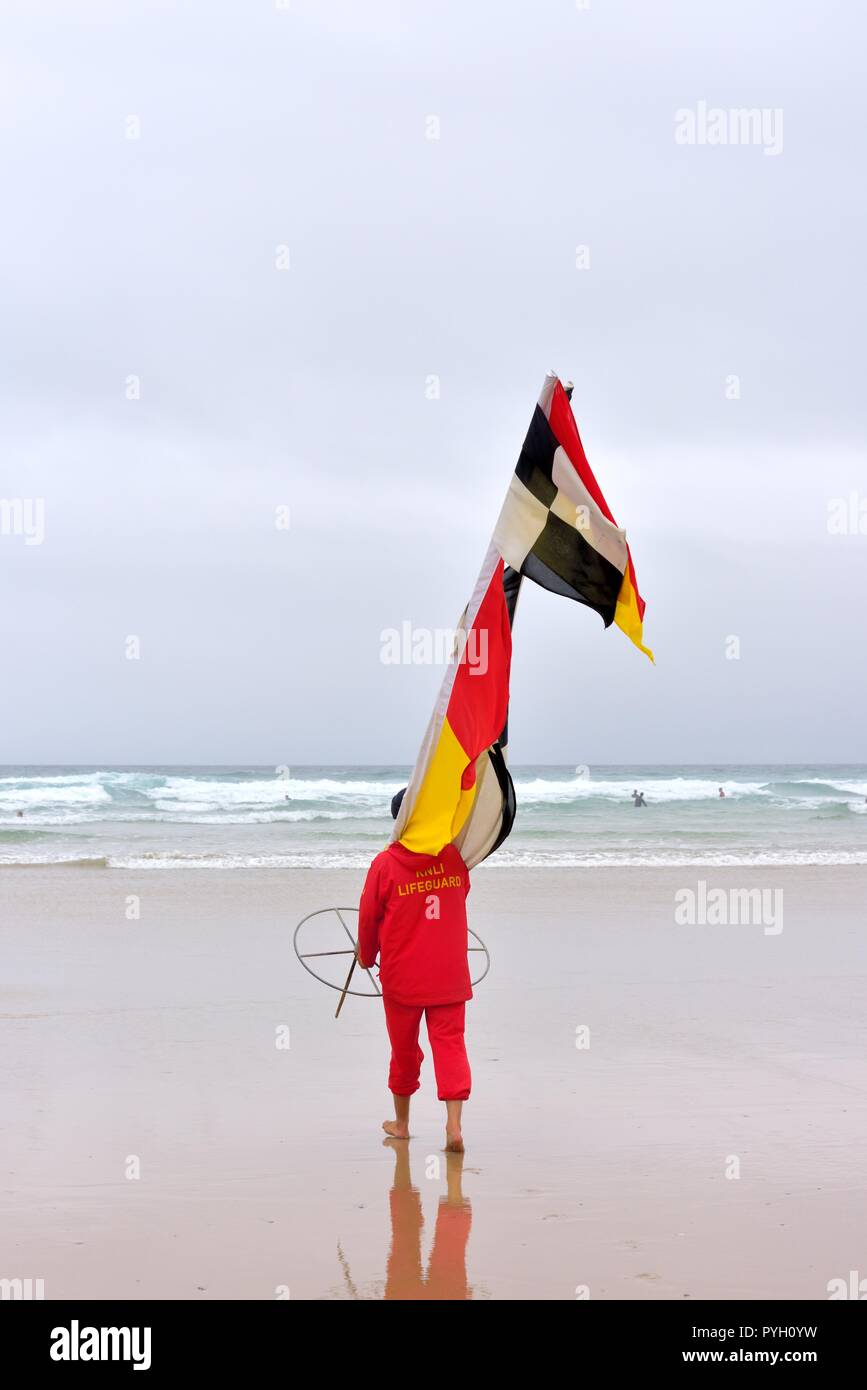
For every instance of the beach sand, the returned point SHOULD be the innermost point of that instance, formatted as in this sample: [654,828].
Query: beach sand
[599,1169]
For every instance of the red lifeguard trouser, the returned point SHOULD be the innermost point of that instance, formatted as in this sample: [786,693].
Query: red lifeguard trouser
[445,1030]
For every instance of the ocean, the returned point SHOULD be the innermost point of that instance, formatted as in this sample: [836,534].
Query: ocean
[338,817]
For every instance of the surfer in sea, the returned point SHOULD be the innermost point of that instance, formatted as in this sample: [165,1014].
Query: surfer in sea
[413,914]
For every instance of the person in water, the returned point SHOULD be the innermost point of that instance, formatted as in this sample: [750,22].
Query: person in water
[413,914]
[638,799]
[721,792]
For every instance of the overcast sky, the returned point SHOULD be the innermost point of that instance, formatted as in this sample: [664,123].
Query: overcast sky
[308,127]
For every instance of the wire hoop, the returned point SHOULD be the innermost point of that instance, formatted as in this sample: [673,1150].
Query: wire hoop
[341,913]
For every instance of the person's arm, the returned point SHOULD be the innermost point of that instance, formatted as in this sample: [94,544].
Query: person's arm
[370,914]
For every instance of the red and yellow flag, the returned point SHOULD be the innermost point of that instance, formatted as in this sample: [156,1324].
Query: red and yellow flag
[556,529]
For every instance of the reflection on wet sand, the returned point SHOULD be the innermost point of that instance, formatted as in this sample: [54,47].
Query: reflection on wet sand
[446,1276]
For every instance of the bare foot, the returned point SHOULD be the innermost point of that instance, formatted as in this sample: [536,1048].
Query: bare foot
[395,1129]
[454,1141]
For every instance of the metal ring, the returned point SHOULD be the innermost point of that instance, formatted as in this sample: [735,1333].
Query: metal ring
[359,993]
[366,994]
[481,947]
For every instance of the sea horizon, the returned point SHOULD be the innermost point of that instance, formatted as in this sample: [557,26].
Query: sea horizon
[235,815]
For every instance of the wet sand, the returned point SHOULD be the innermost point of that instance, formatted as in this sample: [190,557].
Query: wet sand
[600,1169]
